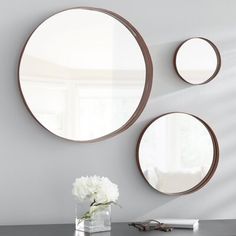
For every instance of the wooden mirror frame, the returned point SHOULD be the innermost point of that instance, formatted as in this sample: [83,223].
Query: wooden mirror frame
[148,77]
[212,169]
[218,66]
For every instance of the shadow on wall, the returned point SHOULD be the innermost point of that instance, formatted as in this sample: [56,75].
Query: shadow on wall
[219,197]
[165,78]
[214,102]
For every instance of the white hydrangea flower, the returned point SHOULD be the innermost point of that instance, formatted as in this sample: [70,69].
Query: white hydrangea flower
[95,188]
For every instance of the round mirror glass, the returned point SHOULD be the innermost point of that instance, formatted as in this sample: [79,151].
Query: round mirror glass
[197,61]
[85,74]
[177,153]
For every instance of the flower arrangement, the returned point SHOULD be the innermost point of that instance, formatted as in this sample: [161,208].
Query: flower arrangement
[99,191]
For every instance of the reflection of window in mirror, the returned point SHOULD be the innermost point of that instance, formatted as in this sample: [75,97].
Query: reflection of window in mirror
[176,152]
[83,74]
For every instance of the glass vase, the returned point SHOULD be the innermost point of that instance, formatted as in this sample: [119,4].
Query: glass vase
[93,219]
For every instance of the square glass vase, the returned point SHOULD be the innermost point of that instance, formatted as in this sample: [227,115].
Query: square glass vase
[99,220]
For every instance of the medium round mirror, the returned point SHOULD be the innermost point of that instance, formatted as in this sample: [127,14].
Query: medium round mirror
[85,74]
[177,153]
[197,61]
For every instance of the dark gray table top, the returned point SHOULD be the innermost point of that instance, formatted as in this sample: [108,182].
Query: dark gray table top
[206,228]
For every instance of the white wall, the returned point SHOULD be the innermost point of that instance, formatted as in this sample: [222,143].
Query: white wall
[37,168]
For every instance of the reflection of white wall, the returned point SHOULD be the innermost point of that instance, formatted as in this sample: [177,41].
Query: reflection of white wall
[196,55]
[156,140]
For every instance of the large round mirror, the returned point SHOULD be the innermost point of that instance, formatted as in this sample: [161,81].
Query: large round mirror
[197,61]
[85,74]
[177,153]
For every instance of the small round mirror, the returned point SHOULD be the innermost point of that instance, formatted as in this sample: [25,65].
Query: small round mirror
[197,61]
[177,153]
[85,74]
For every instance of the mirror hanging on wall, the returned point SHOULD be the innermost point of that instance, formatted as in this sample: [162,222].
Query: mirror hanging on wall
[85,74]
[177,153]
[197,61]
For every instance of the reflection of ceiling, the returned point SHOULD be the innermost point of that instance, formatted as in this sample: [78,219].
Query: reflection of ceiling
[81,38]
[35,67]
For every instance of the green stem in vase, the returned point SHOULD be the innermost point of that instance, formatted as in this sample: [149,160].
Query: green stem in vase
[94,207]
